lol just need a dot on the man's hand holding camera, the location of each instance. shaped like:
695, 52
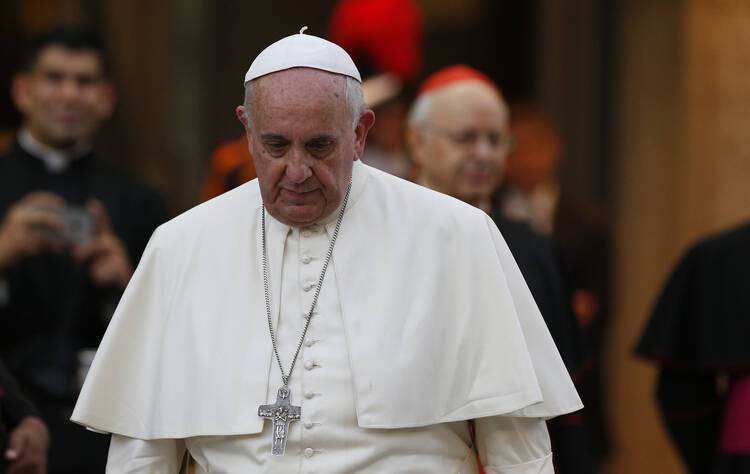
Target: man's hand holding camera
43, 222
108, 259
20, 234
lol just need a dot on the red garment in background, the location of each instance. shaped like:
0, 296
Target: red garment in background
735, 431
386, 32
231, 165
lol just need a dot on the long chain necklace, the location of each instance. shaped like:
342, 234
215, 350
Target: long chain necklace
283, 412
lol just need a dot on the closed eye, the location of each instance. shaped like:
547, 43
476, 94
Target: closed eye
320, 146
275, 146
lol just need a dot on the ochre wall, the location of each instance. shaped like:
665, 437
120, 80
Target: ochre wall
684, 172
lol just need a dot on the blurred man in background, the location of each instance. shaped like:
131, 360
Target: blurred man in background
71, 231
230, 165
697, 336
531, 193
459, 136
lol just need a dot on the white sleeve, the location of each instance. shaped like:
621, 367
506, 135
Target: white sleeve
131, 455
509, 445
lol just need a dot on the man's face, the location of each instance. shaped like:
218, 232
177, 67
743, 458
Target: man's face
64, 96
462, 152
303, 142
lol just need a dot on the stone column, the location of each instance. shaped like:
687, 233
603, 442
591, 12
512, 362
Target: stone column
684, 170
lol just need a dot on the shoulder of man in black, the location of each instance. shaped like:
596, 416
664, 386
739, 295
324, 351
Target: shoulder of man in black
699, 318
135, 207
538, 261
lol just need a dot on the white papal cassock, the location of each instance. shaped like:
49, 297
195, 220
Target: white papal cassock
423, 322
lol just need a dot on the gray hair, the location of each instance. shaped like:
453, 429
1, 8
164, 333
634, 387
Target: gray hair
355, 100
419, 115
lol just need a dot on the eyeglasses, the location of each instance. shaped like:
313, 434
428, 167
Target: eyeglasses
468, 139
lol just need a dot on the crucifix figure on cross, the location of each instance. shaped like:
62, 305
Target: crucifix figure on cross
282, 413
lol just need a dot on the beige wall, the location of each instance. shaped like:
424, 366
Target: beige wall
684, 171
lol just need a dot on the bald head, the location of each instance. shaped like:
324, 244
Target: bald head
353, 95
459, 137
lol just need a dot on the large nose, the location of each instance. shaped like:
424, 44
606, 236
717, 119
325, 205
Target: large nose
298, 169
484, 148
70, 89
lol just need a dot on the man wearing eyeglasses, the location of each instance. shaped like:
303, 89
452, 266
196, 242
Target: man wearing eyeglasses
459, 135
459, 138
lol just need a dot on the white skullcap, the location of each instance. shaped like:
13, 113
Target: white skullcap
302, 50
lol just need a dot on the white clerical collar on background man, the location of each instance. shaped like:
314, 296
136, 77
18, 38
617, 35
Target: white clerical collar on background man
55, 161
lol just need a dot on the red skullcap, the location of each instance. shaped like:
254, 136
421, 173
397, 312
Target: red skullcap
454, 74
388, 33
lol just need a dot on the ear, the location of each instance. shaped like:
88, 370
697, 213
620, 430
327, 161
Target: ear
19, 91
366, 121
416, 142
242, 115
106, 104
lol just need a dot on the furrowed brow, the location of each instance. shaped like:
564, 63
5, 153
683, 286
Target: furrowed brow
322, 138
272, 136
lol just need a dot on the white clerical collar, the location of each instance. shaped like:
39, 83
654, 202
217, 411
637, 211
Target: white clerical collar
359, 174
55, 160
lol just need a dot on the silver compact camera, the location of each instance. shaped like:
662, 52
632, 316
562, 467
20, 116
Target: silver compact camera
78, 225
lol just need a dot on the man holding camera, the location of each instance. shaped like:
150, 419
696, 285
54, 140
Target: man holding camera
71, 230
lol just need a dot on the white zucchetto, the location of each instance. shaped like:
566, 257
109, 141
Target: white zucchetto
302, 50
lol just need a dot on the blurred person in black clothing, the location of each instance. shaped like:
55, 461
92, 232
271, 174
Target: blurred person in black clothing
24, 438
697, 336
459, 137
532, 193
71, 230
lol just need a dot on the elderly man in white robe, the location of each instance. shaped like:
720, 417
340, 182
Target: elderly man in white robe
326, 317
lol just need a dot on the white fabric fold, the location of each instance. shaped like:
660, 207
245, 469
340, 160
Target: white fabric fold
439, 322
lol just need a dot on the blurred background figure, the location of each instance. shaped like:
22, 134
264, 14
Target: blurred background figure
459, 136
24, 438
697, 336
532, 193
384, 37
230, 165
71, 231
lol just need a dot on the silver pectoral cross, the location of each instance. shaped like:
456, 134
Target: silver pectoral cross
282, 413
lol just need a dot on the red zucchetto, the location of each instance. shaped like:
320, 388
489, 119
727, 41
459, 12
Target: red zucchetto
453, 74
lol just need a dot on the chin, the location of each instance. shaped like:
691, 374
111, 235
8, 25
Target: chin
301, 216
65, 138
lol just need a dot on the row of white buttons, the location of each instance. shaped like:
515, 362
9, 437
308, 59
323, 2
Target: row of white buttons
309, 342
309, 231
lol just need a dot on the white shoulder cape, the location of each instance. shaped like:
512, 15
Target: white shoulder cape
440, 323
